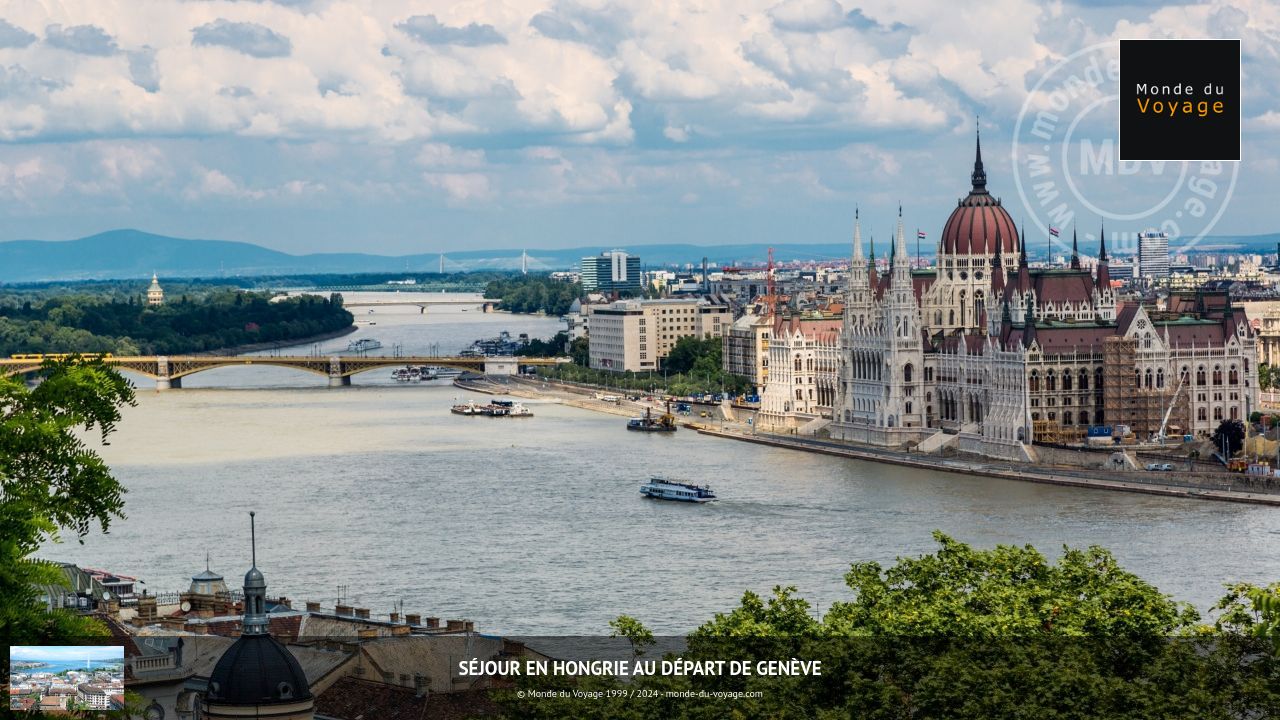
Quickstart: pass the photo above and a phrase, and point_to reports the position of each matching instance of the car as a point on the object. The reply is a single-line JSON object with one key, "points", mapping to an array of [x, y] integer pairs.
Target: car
{"points": [[1154, 467], [1167, 467]]}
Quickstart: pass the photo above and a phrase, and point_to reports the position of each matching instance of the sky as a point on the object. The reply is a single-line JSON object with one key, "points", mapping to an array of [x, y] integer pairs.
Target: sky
{"points": [[66, 653], [400, 127]]}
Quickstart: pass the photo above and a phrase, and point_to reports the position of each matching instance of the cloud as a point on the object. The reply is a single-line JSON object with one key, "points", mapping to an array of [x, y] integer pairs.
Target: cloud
{"points": [[426, 29], [12, 36], [461, 188], [249, 38], [83, 39], [143, 69]]}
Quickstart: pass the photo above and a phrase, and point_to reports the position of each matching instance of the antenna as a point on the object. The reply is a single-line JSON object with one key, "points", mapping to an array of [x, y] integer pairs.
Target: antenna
{"points": [[253, 538]]}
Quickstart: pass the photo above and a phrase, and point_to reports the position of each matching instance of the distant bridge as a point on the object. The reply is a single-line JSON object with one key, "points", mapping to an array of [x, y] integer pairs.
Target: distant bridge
{"points": [[168, 371], [487, 304]]}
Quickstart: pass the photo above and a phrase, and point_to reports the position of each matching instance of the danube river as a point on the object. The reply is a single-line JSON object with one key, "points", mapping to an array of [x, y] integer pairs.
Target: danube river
{"points": [[536, 526]]}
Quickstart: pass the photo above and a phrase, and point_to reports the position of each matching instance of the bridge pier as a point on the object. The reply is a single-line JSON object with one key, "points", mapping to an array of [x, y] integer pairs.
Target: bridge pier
{"points": [[168, 383], [339, 381]]}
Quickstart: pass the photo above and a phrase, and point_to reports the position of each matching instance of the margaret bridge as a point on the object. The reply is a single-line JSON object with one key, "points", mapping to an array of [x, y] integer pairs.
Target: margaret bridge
{"points": [[168, 371]]}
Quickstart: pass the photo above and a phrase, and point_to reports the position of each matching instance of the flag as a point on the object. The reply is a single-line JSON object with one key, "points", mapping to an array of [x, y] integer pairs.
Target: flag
{"points": [[1053, 231], [920, 235]]}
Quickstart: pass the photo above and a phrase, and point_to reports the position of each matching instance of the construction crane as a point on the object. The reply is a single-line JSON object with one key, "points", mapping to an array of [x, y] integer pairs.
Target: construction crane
{"points": [[1160, 436]]}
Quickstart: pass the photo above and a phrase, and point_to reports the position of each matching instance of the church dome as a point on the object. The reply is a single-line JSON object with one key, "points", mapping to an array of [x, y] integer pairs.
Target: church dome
{"points": [[979, 220], [257, 670]]}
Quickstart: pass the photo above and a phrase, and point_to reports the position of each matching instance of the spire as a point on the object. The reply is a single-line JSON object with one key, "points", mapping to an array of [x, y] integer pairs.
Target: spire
{"points": [[997, 267], [1102, 243], [255, 590], [900, 241], [1075, 249], [857, 237], [979, 175], [1104, 267]]}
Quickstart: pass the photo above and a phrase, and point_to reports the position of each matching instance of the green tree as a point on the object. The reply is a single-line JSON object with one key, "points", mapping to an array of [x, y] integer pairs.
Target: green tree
{"points": [[1230, 434], [634, 631], [580, 351], [51, 482]]}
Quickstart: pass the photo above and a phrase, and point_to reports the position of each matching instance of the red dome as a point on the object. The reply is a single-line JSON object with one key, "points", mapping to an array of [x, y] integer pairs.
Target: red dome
{"points": [[982, 218], [979, 219]]}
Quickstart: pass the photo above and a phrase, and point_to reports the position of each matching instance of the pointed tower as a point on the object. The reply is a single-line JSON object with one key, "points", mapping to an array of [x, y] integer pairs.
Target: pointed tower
{"points": [[1075, 249], [257, 676], [979, 176], [995, 302], [1104, 295], [860, 296]]}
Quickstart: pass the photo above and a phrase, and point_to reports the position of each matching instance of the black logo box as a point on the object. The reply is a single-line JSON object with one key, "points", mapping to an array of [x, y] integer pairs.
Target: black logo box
{"points": [[1177, 72]]}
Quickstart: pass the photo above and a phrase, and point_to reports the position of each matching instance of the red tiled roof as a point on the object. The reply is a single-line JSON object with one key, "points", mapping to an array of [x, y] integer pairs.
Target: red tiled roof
{"points": [[1058, 286], [979, 218]]}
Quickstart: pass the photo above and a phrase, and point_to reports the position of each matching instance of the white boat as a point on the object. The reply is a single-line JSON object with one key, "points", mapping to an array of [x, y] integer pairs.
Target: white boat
{"points": [[663, 489], [363, 345]]}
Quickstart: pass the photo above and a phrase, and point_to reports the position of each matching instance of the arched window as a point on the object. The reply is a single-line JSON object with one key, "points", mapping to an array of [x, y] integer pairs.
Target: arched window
{"points": [[937, 317], [1201, 415], [1084, 379], [1066, 380], [951, 317], [1200, 375], [1149, 375], [1232, 376], [799, 363], [1217, 413], [1035, 381], [1066, 418], [1050, 382], [1160, 378], [1217, 374], [907, 372]]}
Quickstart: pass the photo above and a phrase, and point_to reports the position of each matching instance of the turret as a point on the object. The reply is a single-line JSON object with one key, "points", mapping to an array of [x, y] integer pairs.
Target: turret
{"points": [[1104, 269], [979, 176], [1075, 249]]}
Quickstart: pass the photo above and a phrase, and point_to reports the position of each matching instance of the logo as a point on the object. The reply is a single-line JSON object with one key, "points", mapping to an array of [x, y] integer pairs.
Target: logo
{"points": [[1068, 169]]}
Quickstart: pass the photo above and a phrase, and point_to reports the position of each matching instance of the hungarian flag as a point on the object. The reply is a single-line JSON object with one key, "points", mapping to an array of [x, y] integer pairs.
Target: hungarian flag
{"points": [[920, 235], [1053, 231]]}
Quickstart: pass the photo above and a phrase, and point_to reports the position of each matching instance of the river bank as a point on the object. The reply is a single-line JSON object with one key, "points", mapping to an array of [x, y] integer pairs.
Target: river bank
{"points": [[1202, 486]]}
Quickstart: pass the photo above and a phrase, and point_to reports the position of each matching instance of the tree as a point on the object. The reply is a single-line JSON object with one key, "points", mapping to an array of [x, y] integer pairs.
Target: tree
{"points": [[50, 483], [580, 351], [1230, 433], [634, 631]]}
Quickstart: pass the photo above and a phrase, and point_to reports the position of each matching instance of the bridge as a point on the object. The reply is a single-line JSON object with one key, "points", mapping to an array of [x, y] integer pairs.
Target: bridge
{"points": [[168, 371], [424, 303]]}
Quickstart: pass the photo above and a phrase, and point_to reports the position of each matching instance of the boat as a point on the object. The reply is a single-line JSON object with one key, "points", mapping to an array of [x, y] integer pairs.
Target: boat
{"points": [[663, 489], [467, 408], [363, 345], [666, 422], [509, 408]]}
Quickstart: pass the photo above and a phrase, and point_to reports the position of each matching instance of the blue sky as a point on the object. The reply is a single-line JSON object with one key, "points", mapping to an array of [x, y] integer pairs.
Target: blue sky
{"points": [[398, 127]]}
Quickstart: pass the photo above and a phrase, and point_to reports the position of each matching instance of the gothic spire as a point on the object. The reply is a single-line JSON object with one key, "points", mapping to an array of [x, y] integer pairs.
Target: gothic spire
{"points": [[857, 237], [1102, 243], [997, 266], [979, 174], [1075, 249]]}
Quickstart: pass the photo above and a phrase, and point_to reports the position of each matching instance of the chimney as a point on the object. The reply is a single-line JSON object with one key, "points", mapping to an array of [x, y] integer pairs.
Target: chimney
{"points": [[362, 613], [433, 622], [413, 619], [344, 610], [395, 617], [313, 607], [468, 625], [454, 625]]}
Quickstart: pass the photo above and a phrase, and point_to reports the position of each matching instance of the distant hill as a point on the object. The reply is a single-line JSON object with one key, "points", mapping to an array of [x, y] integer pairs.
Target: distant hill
{"points": [[123, 254]]}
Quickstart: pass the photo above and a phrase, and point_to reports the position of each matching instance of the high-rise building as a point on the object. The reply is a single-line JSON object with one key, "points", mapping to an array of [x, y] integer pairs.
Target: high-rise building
{"points": [[1153, 254], [612, 272]]}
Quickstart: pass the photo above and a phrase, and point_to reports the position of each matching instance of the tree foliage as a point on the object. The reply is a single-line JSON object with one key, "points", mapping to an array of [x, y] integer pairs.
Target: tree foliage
{"points": [[533, 293], [1229, 434], [51, 482], [967, 633], [210, 320]]}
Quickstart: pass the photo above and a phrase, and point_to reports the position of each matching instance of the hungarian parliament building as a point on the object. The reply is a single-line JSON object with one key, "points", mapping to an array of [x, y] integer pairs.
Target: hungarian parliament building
{"points": [[998, 354]]}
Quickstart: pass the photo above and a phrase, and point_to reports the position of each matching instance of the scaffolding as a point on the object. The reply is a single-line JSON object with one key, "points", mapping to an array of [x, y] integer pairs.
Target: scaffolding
{"points": [[1128, 402]]}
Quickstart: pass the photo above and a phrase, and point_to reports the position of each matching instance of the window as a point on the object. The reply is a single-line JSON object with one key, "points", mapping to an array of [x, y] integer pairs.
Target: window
{"points": [[1066, 381], [1217, 374], [907, 372], [1200, 375]]}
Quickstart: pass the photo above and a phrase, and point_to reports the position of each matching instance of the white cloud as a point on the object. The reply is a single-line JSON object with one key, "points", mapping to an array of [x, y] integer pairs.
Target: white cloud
{"points": [[461, 188]]}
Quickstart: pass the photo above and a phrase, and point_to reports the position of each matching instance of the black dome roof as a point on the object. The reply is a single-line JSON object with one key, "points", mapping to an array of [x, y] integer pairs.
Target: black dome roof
{"points": [[257, 670]]}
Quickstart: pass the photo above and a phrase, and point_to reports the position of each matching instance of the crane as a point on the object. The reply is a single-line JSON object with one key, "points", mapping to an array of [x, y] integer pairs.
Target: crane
{"points": [[1160, 436]]}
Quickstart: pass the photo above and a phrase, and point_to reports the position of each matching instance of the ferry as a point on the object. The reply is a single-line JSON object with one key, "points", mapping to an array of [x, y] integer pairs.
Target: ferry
{"points": [[363, 345], [663, 489], [665, 422], [508, 408]]}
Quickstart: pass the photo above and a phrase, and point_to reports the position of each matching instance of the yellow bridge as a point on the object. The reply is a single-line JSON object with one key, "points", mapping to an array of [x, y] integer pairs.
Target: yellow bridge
{"points": [[168, 371]]}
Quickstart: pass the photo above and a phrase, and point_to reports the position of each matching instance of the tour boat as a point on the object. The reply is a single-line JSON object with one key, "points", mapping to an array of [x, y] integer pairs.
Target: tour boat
{"points": [[507, 408], [662, 489], [363, 345]]}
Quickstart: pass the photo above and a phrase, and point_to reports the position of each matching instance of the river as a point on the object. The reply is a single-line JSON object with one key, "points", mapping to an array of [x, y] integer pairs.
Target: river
{"points": [[535, 526]]}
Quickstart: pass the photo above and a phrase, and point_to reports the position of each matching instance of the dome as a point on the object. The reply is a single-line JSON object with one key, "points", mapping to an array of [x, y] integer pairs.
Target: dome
{"points": [[254, 578], [982, 218], [979, 220], [257, 670]]}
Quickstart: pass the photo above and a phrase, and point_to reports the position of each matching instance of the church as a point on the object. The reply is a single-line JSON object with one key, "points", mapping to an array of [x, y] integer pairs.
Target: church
{"points": [[996, 354]]}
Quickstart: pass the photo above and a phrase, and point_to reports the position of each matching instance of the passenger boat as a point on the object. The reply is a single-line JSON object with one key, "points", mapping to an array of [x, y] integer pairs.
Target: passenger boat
{"points": [[663, 489], [363, 345], [665, 422]]}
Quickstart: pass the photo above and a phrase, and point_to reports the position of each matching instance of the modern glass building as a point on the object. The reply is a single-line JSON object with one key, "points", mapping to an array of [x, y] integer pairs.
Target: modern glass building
{"points": [[612, 272]]}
